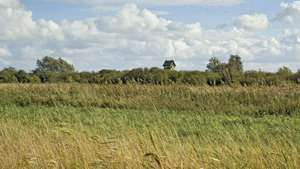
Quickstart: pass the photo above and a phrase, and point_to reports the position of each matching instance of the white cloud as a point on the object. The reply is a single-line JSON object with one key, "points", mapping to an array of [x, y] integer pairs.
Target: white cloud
{"points": [[5, 52], [14, 20], [252, 22], [9, 3], [290, 12], [291, 42], [135, 37]]}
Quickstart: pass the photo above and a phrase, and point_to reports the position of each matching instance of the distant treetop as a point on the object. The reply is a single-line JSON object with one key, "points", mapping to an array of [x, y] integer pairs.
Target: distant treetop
{"points": [[50, 64]]}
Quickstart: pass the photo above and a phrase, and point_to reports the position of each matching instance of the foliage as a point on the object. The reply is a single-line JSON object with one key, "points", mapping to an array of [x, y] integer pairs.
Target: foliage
{"points": [[49, 67], [231, 72], [213, 65], [50, 64], [295, 77], [8, 75], [284, 73], [235, 63], [51, 70]]}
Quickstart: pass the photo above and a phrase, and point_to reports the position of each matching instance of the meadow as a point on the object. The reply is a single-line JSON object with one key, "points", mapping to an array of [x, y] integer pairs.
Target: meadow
{"points": [[146, 126]]}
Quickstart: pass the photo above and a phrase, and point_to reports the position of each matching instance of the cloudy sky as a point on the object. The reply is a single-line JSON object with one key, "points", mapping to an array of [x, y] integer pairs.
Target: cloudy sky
{"points": [[124, 34]]}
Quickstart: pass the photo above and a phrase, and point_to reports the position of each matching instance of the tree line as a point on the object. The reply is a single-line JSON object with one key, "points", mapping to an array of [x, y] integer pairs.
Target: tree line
{"points": [[52, 70]]}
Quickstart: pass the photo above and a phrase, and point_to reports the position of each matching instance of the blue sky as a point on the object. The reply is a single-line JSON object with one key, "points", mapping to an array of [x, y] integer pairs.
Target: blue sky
{"points": [[208, 15], [121, 34]]}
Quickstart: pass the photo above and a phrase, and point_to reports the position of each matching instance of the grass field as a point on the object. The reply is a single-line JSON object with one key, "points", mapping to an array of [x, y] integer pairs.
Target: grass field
{"points": [[89, 126]]}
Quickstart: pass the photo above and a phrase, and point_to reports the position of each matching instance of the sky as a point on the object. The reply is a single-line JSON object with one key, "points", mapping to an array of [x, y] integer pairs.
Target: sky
{"points": [[126, 34]]}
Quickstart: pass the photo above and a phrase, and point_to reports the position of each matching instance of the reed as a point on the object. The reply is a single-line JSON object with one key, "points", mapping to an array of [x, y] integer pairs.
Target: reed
{"points": [[239, 100], [117, 126]]}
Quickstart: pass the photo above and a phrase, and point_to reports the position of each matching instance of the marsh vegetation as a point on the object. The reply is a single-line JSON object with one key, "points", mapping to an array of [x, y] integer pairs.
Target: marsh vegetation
{"points": [[145, 126]]}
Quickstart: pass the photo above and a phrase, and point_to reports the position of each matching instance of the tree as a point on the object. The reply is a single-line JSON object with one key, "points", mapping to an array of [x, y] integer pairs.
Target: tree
{"points": [[34, 79], [235, 63], [296, 77], [22, 76], [224, 71], [284, 72], [49, 65], [213, 65], [230, 72], [8, 75], [235, 68]]}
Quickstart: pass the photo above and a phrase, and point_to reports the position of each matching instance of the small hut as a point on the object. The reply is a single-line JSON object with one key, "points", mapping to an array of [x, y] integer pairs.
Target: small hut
{"points": [[169, 65]]}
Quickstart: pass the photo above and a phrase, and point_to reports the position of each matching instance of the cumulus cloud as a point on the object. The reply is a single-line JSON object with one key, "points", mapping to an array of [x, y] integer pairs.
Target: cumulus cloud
{"points": [[14, 20], [290, 12], [291, 41], [9, 3], [135, 37], [4, 52], [132, 35], [252, 22]]}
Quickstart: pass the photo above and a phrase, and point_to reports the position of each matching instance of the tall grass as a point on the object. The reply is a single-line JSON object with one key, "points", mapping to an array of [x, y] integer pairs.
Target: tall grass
{"points": [[249, 100], [90, 126]]}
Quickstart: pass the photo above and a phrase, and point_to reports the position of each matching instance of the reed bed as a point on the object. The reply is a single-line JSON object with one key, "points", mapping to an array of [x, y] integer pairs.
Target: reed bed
{"points": [[68, 126], [240, 100]]}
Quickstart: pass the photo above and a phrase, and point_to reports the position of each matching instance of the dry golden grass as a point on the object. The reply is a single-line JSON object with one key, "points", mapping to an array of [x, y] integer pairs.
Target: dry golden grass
{"points": [[31, 148], [70, 126]]}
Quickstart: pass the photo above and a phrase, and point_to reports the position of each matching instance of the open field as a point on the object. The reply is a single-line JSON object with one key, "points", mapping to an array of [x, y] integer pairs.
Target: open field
{"points": [[91, 126]]}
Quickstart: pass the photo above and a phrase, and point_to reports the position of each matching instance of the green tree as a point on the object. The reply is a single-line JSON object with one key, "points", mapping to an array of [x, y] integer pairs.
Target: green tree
{"points": [[225, 72], [235, 63], [49, 65], [213, 65], [235, 68], [8, 75], [22, 76], [284, 72], [296, 77], [34, 79]]}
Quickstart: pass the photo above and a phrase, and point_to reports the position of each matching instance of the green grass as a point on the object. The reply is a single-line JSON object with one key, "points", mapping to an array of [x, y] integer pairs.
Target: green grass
{"points": [[257, 101], [69, 126]]}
